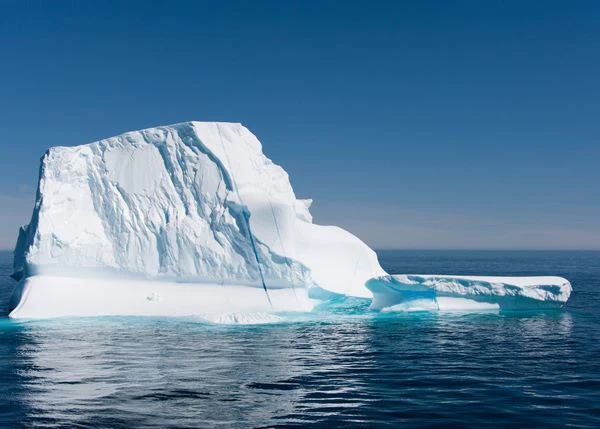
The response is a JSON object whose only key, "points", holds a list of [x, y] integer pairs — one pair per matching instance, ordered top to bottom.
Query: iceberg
{"points": [[187, 219], [193, 219], [448, 293]]}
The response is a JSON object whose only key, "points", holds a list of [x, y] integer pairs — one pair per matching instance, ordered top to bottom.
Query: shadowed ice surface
{"points": [[341, 365]]}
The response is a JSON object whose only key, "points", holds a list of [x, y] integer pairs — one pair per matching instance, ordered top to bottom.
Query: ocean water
{"points": [[339, 366]]}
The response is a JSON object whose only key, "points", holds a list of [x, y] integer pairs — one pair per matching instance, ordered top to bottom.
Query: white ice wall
{"points": [[192, 202]]}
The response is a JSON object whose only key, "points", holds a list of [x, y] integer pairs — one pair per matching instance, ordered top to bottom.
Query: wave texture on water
{"points": [[340, 365]]}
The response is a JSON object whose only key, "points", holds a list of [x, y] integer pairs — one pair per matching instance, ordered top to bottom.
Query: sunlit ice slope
{"points": [[181, 209]]}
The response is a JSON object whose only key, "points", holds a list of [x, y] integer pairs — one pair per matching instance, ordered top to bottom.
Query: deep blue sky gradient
{"points": [[414, 125]]}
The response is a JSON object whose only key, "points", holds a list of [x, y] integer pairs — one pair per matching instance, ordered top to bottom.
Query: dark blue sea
{"points": [[341, 366]]}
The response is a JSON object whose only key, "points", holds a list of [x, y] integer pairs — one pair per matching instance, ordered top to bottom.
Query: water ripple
{"points": [[344, 367]]}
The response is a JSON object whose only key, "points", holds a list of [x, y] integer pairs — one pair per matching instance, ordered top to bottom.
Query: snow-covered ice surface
{"points": [[193, 219], [177, 220], [450, 293]]}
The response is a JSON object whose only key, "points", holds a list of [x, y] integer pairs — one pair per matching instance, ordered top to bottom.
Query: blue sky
{"points": [[424, 125]]}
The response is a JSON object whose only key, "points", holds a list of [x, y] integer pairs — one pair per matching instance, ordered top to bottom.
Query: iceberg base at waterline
{"points": [[412, 292], [46, 296]]}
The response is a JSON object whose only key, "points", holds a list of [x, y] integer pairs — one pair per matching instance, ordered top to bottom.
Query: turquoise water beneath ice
{"points": [[339, 366]]}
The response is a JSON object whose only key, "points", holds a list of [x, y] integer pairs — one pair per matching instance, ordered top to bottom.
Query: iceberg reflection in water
{"points": [[147, 370], [156, 373]]}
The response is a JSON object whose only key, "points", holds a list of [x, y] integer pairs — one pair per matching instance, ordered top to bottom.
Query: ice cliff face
{"points": [[192, 202]]}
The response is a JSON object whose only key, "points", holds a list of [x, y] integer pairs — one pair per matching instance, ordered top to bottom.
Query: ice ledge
{"points": [[408, 292], [53, 296]]}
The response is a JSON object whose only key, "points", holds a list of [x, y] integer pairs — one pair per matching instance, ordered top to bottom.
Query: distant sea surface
{"points": [[340, 366]]}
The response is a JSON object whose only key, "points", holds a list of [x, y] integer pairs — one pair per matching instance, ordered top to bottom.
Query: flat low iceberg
{"points": [[412, 292]]}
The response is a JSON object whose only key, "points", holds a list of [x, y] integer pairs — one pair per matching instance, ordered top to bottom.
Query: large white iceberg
{"points": [[186, 219], [193, 219], [438, 292]]}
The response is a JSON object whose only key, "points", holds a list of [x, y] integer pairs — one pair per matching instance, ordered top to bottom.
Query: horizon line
{"points": [[453, 249]]}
